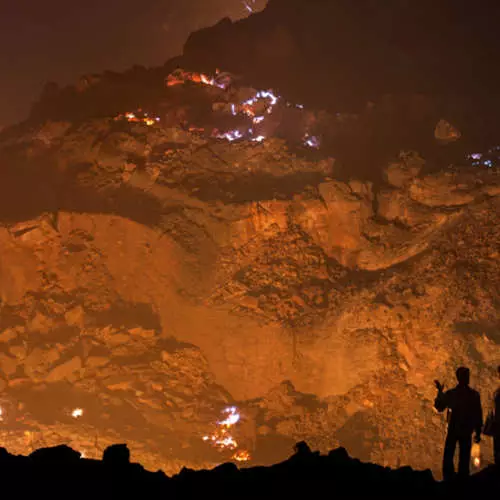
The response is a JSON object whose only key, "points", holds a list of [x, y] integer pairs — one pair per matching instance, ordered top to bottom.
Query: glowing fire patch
{"points": [[248, 6], [180, 77], [267, 95], [248, 108], [256, 108], [138, 117], [230, 136], [259, 138], [312, 142], [77, 413], [1, 414], [233, 417], [222, 438], [242, 456], [477, 462]]}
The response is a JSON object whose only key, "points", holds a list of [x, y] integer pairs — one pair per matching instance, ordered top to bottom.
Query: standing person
{"points": [[464, 404], [496, 436]]}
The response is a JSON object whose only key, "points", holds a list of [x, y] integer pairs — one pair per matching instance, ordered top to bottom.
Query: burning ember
{"points": [[249, 5], [180, 77], [265, 97], [256, 108], [138, 117], [231, 136], [259, 138], [312, 141], [488, 159], [77, 413], [232, 418], [222, 438], [242, 456]]}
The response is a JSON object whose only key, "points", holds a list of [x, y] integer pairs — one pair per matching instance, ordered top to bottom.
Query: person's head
{"points": [[463, 375]]}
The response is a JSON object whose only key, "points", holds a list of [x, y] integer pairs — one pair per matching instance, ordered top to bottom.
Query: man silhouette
{"points": [[465, 418], [496, 437]]}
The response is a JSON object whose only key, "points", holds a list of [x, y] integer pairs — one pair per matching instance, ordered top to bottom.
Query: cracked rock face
{"points": [[152, 276]]}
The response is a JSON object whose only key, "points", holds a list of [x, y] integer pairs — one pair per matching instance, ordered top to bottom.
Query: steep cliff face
{"points": [[160, 266]]}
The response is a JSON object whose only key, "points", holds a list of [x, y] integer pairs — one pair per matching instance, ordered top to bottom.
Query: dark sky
{"points": [[59, 40]]}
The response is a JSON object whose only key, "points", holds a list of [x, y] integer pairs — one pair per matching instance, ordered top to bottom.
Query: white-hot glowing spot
{"points": [[77, 413], [232, 418], [222, 438]]}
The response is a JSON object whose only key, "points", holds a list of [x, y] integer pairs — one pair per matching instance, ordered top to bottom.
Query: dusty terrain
{"points": [[154, 274]]}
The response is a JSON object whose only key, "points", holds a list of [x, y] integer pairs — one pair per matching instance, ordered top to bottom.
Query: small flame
{"points": [[248, 7], [206, 80], [134, 118], [231, 136], [259, 138], [312, 141], [77, 413], [222, 438], [242, 456], [477, 462]]}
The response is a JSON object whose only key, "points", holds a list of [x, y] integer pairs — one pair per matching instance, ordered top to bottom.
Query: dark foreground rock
{"points": [[55, 473]]}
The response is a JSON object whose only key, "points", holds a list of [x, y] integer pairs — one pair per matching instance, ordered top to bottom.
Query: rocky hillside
{"points": [[200, 276]]}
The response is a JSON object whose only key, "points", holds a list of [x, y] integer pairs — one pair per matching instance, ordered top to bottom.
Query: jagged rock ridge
{"points": [[61, 470]]}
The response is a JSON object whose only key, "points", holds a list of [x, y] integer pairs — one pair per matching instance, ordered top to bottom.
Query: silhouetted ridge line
{"points": [[60, 472]]}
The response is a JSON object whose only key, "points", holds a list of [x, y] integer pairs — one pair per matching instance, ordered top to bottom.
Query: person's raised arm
{"points": [[441, 401]]}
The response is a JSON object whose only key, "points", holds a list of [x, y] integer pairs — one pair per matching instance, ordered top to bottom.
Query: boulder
{"points": [[51, 131], [446, 133], [402, 173], [444, 189], [396, 206], [336, 221], [75, 316], [8, 335], [38, 360], [96, 361], [8, 365], [69, 370], [56, 455], [116, 455]]}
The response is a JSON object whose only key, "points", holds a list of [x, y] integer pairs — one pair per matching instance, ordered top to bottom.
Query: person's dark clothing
{"points": [[464, 404], [466, 417], [496, 438], [464, 447]]}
